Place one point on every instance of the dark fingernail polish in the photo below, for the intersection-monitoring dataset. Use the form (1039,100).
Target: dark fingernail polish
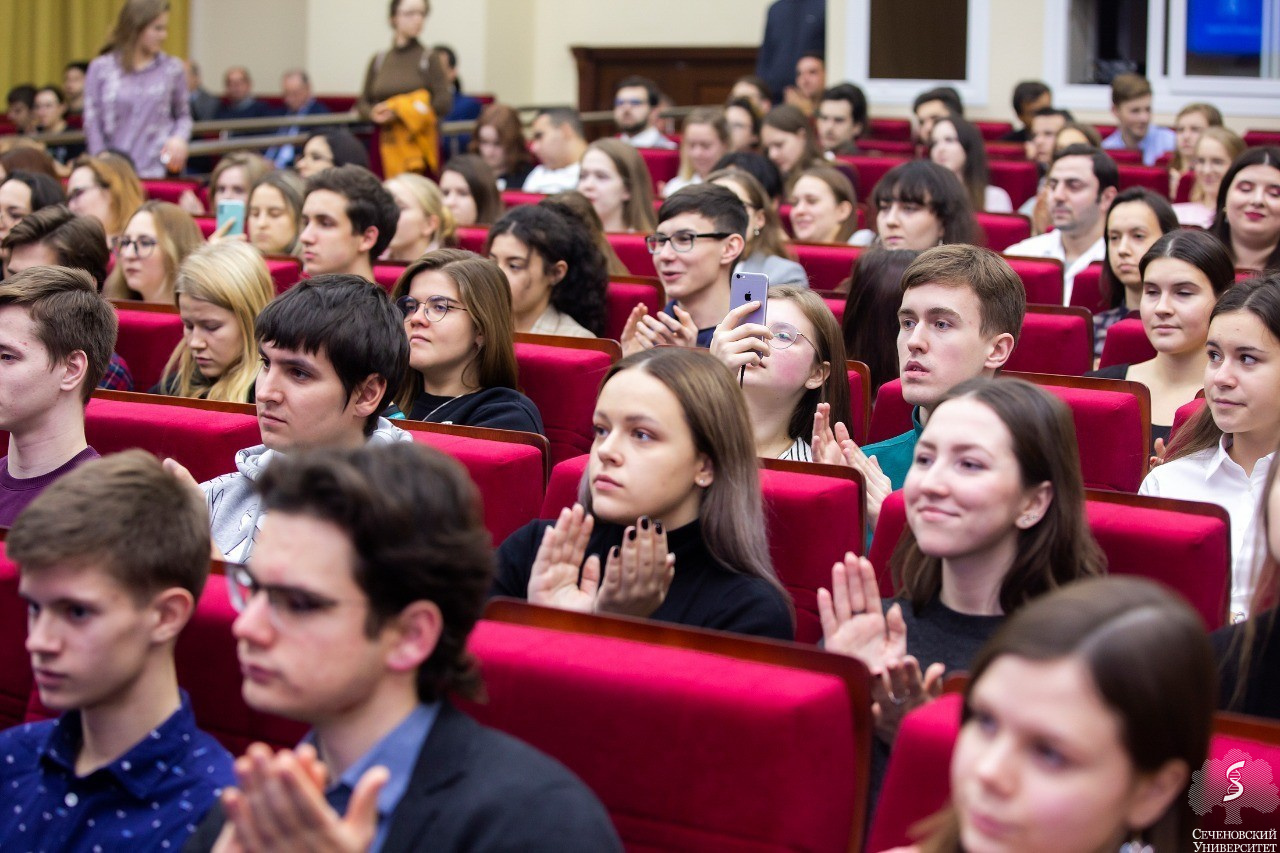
(657,526)
(613,553)
(644,522)
(631,534)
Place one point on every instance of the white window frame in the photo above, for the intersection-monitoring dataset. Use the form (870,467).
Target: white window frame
(1171,86)
(974,89)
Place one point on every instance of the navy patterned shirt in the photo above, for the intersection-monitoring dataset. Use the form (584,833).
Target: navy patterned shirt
(150,798)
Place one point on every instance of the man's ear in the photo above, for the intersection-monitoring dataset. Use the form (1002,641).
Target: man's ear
(171,608)
(369,238)
(1106,197)
(1001,348)
(731,250)
(366,397)
(414,635)
(75,369)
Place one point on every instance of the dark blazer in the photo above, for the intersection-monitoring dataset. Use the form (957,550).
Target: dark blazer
(477,789)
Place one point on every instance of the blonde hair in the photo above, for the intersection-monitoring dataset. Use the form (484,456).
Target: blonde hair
(712,117)
(115,175)
(231,275)
(637,211)
(1229,140)
(426,193)
(177,236)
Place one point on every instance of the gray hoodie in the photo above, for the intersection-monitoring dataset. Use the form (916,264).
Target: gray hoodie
(234,512)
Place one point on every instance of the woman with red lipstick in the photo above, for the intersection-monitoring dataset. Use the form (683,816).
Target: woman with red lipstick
(995,518)
(670,526)
(1224,453)
(1061,748)
(1248,219)
(1136,219)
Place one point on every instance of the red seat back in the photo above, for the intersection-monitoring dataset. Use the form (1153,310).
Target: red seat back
(898,129)
(997,150)
(623,296)
(207,225)
(870,170)
(859,399)
(827,264)
(1185,185)
(1185,412)
(472,237)
(15,663)
(891,147)
(1126,343)
(1019,178)
(890,415)
(659,692)
(168,190)
(1054,339)
(1042,277)
(1122,156)
(514,198)
(562,377)
(631,251)
(286,271)
(663,164)
(148,335)
(387,273)
(1086,289)
(1154,178)
(1002,230)
(1259,138)
(1256,742)
(993,130)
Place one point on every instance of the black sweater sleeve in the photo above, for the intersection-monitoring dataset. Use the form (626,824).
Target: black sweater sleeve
(515,560)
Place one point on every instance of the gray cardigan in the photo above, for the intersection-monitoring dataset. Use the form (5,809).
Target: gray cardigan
(779,270)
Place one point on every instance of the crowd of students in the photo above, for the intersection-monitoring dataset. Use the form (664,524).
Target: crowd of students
(358,561)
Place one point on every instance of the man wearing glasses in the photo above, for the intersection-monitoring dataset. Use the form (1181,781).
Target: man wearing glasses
(700,234)
(635,113)
(348,219)
(333,352)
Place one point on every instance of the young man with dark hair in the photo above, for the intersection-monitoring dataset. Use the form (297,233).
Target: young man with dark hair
(348,219)
(333,352)
(792,28)
(1131,106)
(21,108)
(1081,184)
(841,119)
(811,79)
(385,547)
(56,335)
(635,113)
(556,139)
(112,559)
(932,106)
(701,232)
(1029,97)
(73,85)
(961,314)
(54,236)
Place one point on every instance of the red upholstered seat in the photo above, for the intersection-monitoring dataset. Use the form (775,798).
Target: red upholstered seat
(387,273)
(993,130)
(1184,414)
(562,377)
(892,147)
(1154,178)
(624,295)
(814,513)
(739,716)
(1042,277)
(286,271)
(15,663)
(147,337)
(997,150)
(207,225)
(204,438)
(1054,339)
(859,399)
(472,237)
(1259,138)
(514,198)
(1019,178)
(168,190)
(1122,156)
(835,302)
(898,129)
(632,252)
(1086,289)
(1185,184)
(890,415)
(1236,738)
(1002,230)
(1126,343)
(338,103)
(827,264)
(1183,545)
(870,170)
(663,164)
(918,781)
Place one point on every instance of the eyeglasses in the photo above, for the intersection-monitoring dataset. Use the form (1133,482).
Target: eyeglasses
(288,607)
(629,102)
(142,246)
(784,335)
(437,307)
(681,241)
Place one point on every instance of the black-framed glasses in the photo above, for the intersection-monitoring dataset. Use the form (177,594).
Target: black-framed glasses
(784,335)
(142,246)
(288,607)
(681,241)
(436,307)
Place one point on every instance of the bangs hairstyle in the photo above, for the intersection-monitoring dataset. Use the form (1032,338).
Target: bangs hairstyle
(637,210)
(348,320)
(177,236)
(367,204)
(556,236)
(925,183)
(841,188)
(413,518)
(293,190)
(731,510)
(716,203)
(114,174)
(1261,298)
(135,16)
(828,346)
(770,239)
(483,290)
(1058,549)
(1166,221)
(506,121)
(231,275)
(69,315)
(1221,228)
(1002,298)
(123,514)
(1149,662)
(482,183)
(426,193)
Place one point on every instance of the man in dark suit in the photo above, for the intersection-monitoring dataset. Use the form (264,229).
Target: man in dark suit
(792,28)
(370,570)
(298,101)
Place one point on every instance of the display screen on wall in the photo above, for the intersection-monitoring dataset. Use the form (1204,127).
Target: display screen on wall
(1224,27)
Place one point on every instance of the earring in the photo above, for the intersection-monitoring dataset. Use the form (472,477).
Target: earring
(1136,845)
(1029,519)
(702,481)
(756,233)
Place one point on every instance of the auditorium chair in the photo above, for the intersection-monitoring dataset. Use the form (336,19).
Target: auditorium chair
(1185,185)
(1042,278)
(827,264)
(286,271)
(1123,156)
(728,743)
(869,169)
(207,225)
(148,334)
(1019,178)
(992,131)
(562,377)
(1154,178)
(890,147)
(387,273)
(663,165)
(1054,339)
(1184,545)
(15,664)
(631,250)
(625,292)
(1184,414)
(895,129)
(1086,290)
(1126,343)
(999,231)
(1260,138)
(515,198)
(815,514)
(170,189)
(1004,151)
(859,399)
(835,301)
(472,237)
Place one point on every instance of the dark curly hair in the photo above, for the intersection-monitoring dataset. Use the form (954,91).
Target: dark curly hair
(557,235)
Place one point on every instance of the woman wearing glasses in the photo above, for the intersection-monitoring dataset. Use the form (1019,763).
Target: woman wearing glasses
(154,244)
(786,369)
(457,314)
(106,188)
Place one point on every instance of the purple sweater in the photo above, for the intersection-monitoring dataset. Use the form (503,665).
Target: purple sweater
(16,493)
(136,111)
